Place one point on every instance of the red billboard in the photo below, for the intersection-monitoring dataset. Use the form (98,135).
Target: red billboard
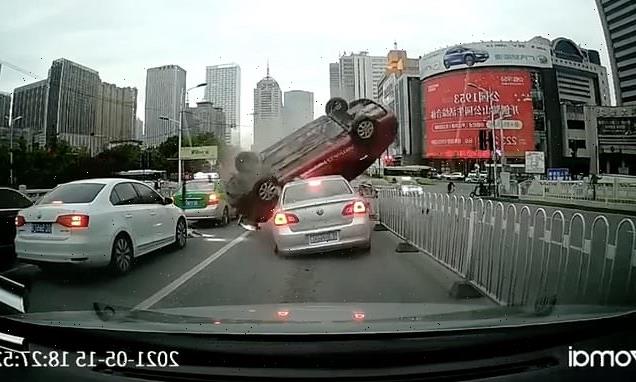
(458,114)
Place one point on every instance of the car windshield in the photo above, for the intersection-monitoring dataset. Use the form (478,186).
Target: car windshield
(316,167)
(316,189)
(73,193)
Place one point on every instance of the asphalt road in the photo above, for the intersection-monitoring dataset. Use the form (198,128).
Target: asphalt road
(229,266)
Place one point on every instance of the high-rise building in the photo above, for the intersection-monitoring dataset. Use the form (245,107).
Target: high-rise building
(268,122)
(224,90)
(139,130)
(165,93)
(298,109)
(618,18)
(5,107)
(207,118)
(394,91)
(360,75)
(72,103)
(116,114)
(30,102)
(334,79)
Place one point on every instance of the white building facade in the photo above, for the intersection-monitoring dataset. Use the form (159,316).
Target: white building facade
(224,90)
(298,109)
(165,93)
(268,107)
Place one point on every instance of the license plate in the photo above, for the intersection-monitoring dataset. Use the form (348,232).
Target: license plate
(192,203)
(323,237)
(41,228)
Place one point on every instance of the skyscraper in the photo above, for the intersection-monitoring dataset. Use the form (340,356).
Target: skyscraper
(72,103)
(5,107)
(619,18)
(207,118)
(360,75)
(267,113)
(298,109)
(165,93)
(30,102)
(116,113)
(224,90)
(334,79)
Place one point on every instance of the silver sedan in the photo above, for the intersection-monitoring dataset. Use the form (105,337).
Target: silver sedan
(319,215)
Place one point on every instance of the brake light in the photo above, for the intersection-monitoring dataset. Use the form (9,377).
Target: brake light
(357,207)
(213,199)
(282,218)
(75,221)
(19,221)
(282,314)
(358,316)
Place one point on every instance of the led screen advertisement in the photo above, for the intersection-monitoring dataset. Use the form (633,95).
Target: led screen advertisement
(457,108)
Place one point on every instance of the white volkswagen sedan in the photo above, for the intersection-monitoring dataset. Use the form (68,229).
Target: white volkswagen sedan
(98,222)
(319,215)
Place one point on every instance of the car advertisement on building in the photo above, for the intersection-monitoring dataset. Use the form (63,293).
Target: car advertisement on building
(457,113)
(499,53)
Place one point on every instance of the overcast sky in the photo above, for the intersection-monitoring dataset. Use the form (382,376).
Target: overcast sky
(121,39)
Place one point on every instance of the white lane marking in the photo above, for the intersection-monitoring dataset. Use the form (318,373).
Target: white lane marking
(165,291)
(214,239)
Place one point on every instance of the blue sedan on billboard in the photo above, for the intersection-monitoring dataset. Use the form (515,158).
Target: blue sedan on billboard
(464,55)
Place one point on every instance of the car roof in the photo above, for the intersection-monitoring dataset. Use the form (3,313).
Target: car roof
(106,181)
(326,177)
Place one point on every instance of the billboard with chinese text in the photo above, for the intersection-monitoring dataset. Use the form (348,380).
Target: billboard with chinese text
(494,53)
(458,116)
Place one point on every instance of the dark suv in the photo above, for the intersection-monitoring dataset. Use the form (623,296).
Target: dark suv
(345,141)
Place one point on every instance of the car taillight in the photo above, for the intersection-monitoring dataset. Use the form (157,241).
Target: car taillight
(75,221)
(357,207)
(19,221)
(282,218)
(213,199)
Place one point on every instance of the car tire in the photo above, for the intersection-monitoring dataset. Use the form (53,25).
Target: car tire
(181,234)
(336,104)
(469,60)
(267,189)
(363,129)
(225,219)
(246,161)
(122,254)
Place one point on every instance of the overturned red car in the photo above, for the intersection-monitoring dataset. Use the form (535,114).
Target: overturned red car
(345,141)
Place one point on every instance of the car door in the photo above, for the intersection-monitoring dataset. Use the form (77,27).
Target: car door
(127,206)
(158,216)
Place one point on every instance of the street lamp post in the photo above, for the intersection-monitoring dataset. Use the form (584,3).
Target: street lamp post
(11,122)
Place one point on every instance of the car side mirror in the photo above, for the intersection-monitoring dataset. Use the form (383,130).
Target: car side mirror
(167,201)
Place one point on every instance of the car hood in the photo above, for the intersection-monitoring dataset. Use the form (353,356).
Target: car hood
(313,318)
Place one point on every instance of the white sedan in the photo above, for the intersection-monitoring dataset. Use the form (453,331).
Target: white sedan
(98,222)
(320,214)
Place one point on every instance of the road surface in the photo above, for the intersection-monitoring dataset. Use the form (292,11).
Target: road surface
(229,266)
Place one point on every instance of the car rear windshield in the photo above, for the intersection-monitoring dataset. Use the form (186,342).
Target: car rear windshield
(315,190)
(73,193)
(199,186)
(13,199)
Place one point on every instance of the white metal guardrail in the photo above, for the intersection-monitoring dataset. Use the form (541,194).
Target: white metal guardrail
(616,192)
(518,255)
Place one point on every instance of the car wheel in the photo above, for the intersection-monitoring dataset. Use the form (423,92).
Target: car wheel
(336,105)
(122,255)
(364,129)
(268,189)
(469,60)
(246,161)
(181,234)
(225,219)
